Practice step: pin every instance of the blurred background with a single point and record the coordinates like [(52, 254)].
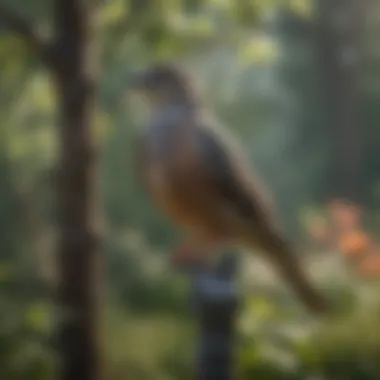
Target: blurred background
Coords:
[(298, 82)]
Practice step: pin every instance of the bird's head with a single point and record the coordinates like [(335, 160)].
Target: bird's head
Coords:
[(165, 84)]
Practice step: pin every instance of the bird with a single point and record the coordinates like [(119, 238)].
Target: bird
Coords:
[(198, 175)]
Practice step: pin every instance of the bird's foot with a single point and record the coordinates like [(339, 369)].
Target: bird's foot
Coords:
[(187, 254), (198, 253)]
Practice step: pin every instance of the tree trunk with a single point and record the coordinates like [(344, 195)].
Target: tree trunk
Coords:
[(68, 57), (340, 23), (78, 241)]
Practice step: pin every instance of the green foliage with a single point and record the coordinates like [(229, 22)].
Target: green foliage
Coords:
[(258, 65), (24, 353), (294, 348)]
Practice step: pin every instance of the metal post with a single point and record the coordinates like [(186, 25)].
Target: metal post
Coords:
[(216, 304)]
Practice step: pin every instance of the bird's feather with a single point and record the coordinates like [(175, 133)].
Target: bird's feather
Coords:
[(231, 176)]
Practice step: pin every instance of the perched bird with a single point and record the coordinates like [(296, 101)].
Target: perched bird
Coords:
[(199, 177)]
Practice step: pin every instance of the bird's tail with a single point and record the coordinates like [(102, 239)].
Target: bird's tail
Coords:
[(285, 259)]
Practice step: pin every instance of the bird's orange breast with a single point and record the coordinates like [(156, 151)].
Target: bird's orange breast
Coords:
[(183, 193)]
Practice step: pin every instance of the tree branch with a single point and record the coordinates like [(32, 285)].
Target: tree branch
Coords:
[(24, 29)]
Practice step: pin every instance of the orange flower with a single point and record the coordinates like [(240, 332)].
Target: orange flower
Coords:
[(370, 266), (346, 216), (354, 244)]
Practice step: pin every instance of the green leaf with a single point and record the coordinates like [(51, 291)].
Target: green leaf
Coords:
[(113, 12), (304, 8), (37, 316), (259, 50), (5, 272)]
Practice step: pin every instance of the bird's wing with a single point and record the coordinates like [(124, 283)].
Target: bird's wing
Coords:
[(230, 177)]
